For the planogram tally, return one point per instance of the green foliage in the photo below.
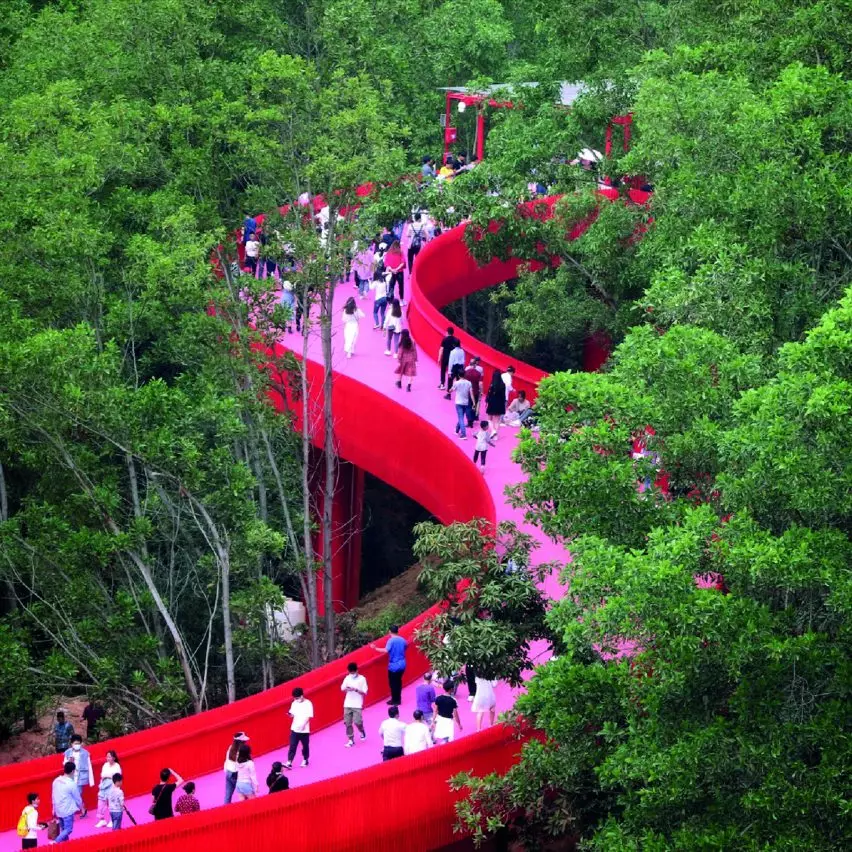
(491, 610)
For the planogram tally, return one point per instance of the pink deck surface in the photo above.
(329, 757)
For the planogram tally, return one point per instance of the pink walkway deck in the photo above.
(328, 755)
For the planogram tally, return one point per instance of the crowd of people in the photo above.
(434, 720)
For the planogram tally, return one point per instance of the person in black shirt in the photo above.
(161, 807)
(276, 780)
(92, 716)
(447, 345)
(446, 713)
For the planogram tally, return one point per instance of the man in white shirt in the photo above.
(354, 688)
(455, 367)
(507, 380)
(392, 732)
(302, 712)
(463, 393)
(417, 736)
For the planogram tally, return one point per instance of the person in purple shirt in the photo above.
(425, 694)
(395, 649)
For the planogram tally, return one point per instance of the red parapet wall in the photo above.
(402, 805)
(446, 271)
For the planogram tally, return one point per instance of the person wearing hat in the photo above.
(230, 767)
(277, 781)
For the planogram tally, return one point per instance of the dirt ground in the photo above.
(400, 591)
(34, 743)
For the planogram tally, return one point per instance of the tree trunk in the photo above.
(464, 312)
(330, 455)
(310, 577)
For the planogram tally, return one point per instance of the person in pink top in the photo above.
(395, 264)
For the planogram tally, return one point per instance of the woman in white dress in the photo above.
(352, 314)
(485, 701)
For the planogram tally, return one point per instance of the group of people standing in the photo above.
(464, 383)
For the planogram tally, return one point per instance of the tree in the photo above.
(492, 608)
(724, 723)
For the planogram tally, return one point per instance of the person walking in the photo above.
(449, 343)
(62, 733)
(417, 736)
(28, 823)
(188, 803)
(407, 366)
(352, 315)
(447, 713)
(92, 715)
(495, 402)
(395, 648)
(380, 298)
(246, 774)
(455, 364)
(230, 767)
(424, 698)
(277, 781)
(115, 801)
(461, 397)
(392, 732)
(84, 775)
(395, 264)
(66, 801)
(288, 300)
(393, 324)
(483, 442)
(110, 769)
(354, 689)
(302, 712)
(484, 701)
(473, 373)
(162, 793)
(507, 381)
(363, 265)
(417, 239)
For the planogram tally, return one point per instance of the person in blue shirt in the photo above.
(62, 733)
(395, 649)
(66, 801)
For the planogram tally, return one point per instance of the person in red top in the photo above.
(187, 803)
(395, 264)
(474, 374)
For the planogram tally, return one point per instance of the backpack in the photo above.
(23, 822)
(417, 239)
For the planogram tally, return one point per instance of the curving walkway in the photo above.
(387, 431)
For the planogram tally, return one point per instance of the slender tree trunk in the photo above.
(309, 571)
(329, 486)
(489, 324)
(464, 312)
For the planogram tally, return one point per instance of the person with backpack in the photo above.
(418, 239)
(277, 781)
(28, 823)
(161, 807)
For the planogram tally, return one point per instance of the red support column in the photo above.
(346, 519)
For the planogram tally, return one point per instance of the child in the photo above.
(188, 803)
(115, 801)
(483, 442)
